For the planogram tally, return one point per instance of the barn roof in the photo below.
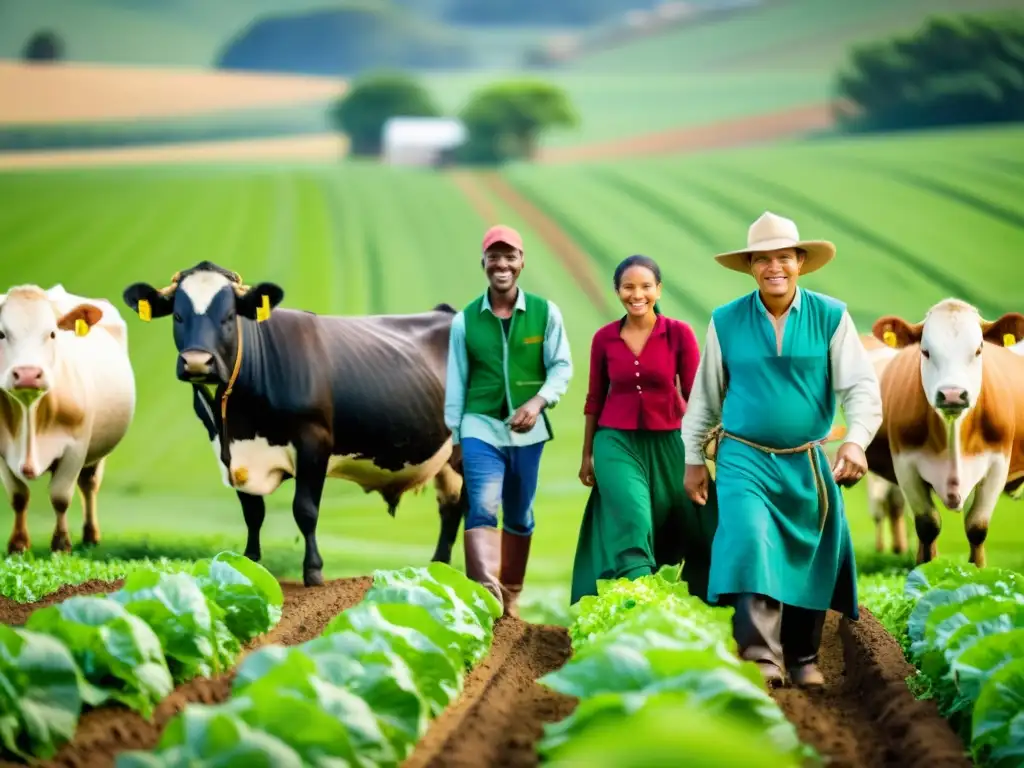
(433, 131)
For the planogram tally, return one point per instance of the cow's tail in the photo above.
(445, 308)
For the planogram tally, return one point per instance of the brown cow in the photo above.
(953, 417)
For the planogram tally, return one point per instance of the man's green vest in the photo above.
(485, 388)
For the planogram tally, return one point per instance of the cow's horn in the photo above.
(172, 287)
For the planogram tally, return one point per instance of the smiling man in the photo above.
(775, 362)
(508, 362)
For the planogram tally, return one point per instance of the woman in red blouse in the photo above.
(639, 517)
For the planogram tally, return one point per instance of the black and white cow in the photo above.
(290, 394)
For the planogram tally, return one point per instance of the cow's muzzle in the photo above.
(26, 383)
(196, 365)
(952, 401)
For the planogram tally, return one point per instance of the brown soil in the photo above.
(46, 93)
(104, 732)
(18, 613)
(865, 717)
(500, 717)
(789, 123)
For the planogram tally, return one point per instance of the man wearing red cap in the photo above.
(508, 361)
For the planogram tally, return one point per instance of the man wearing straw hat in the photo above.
(774, 363)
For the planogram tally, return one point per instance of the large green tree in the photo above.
(373, 100)
(44, 45)
(953, 70)
(505, 120)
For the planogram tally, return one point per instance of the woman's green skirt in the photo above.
(638, 517)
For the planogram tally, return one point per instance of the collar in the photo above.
(519, 306)
(659, 329)
(794, 307)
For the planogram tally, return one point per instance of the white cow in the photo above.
(68, 400)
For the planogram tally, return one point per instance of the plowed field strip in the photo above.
(500, 717)
(103, 733)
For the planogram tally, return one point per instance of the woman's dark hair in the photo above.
(638, 260)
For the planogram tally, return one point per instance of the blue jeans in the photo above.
(505, 477)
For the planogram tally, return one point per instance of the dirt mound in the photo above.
(102, 733)
(865, 717)
(12, 612)
(500, 717)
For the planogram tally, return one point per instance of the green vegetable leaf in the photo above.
(998, 722)
(40, 695)
(117, 652)
(250, 595)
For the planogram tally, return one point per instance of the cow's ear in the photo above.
(260, 299)
(147, 301)
(1006, 331)
(80, 319)
(896, 332)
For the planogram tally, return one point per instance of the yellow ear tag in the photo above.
(264, 309)
(81, 327)
(145, 312)
(889, 338)
(1009, 339)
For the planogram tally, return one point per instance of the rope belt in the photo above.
(716, 435)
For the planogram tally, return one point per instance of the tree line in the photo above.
(504, 120)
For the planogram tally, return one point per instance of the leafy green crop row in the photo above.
(647, 651)
(27, 578)
(131, 646)
(361, 694)
(963, 628)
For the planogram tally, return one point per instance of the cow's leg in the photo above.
(89, 481)
(62, 488)
(17, 494)
(897, 519)
(986, 496)
(312, 455)
(452, 504)
(878, 505)
(927, 521)
(254, 510)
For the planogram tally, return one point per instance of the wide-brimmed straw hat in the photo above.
(771, 232)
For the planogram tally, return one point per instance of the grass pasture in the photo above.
(916, 219)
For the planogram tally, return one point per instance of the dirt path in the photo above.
(104, 732)
(500, 717)
(723, 134)
(865, 717)
(573, 258)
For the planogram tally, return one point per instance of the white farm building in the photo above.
(420, 140)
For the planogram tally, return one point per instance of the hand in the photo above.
(696, 483)
(850, 465)
(587, 471)
(526, 415)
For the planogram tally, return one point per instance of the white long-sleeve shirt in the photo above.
(853, 379)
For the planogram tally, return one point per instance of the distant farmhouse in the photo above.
(421, 141)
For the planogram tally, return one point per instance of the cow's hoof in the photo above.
(60, 542)
(17, 544)
(90, 535)
(313, 577)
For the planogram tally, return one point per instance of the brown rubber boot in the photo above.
(515, 552)
(483, 558)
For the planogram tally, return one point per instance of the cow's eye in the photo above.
(177, 317)
(927, 355)
(2, 335)
(53, 334)
(978, 353)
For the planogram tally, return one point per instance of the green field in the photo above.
(916, 219)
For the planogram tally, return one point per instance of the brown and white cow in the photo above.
(953, 417)
(68, 399)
